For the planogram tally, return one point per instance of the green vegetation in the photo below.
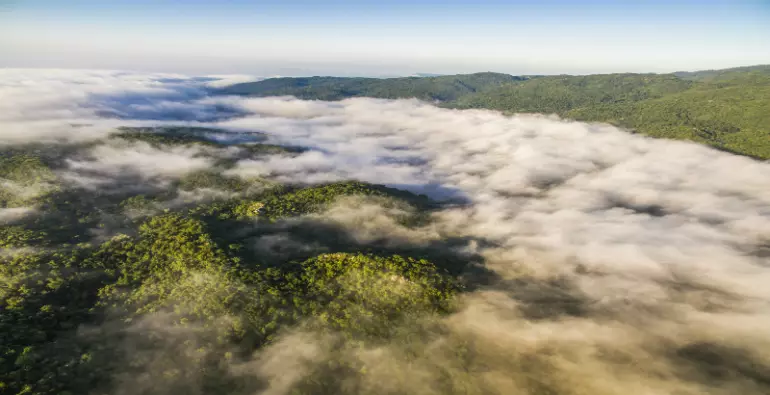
(562, 93)
(727, 114)
(442, 88)
(23, 179)
(726, 109)
(724, 74)
(98, 286)
(130, 288)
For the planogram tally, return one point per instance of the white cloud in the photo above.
(660, 240)
(223, 80)
(12, 214)
(541, 187)
(108, 162)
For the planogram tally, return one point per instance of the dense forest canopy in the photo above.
(193, 260)
(725, 109)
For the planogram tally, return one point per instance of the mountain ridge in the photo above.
(720, 108)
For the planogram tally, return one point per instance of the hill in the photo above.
(710, 75)
(441, 88)
(727, 113)
(557, 94)
(194, 266)
(721, 108)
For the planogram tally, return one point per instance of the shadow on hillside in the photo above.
(77, 214)
(297, 239)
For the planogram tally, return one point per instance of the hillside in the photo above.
(196, 258)
(558, 94)
(440, 88)
(728, 114)
(721, 108)
(710, 75)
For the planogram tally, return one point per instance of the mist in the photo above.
(623, 264)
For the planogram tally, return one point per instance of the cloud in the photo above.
(223, 80)
(660, 242)
(12, 214)
(49, 105)
(541, 186)
(105, 164)
(626, 264)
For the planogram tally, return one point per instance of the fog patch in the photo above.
(8, 215)
(139, 158)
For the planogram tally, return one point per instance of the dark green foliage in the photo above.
(711, 75)
(312, 199)
(17, 236)
(441, 88)
(165, 136)
(726, 109)
(212, 179)
(160, 136)
(44, 298)
(729, 114)
(71, 311)
(279, 202)
(182, 135)
(558, 94)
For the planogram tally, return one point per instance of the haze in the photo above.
(345, 37)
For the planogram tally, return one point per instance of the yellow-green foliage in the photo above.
(25, 169)
(248, 209)
(369, 295)
(172, 266)
(23, 178)
(17, 236)
(169, 248)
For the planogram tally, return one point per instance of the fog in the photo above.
(624, 264)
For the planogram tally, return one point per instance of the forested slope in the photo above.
(75, 307)
(440, 88)
(726, 109)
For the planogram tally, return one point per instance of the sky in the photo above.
(382, 38)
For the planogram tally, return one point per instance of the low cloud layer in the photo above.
(661, 242)
(51, 105)
(626, 264)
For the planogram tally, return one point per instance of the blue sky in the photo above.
(396, 37)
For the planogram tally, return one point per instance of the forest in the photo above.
(195, 262)
(386, 247)
(725, 109)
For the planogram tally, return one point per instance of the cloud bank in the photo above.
(661, 246)
(625, 264)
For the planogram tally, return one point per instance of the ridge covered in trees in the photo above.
(726, 109)
(80, 311)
